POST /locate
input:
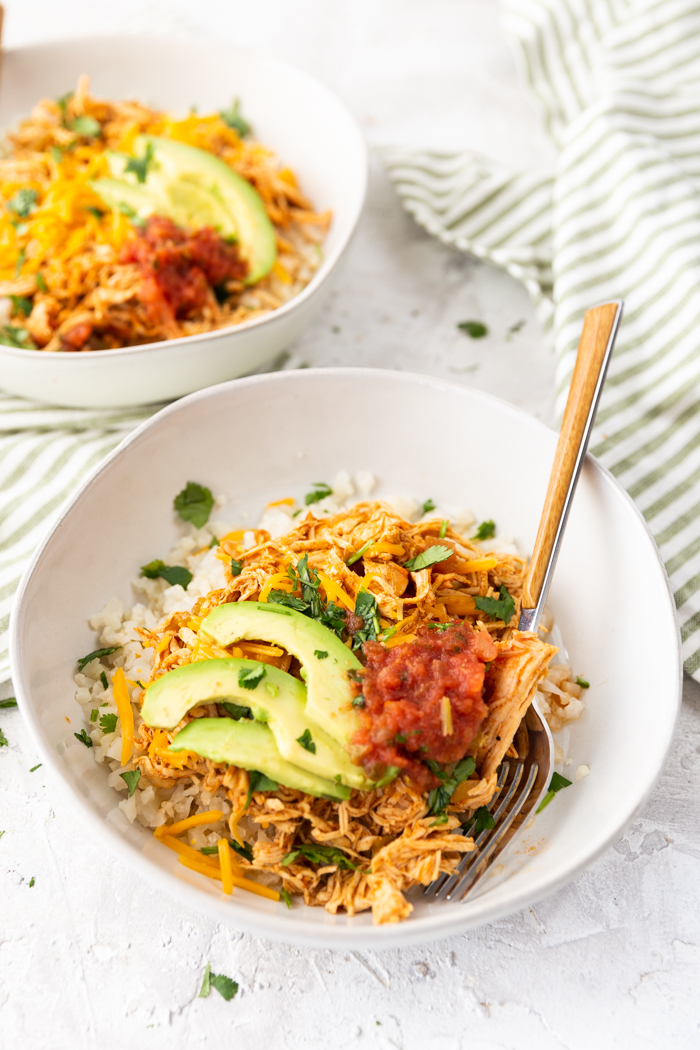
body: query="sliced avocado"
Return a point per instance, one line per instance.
(119, 194)
(194, 188)
(329, 690)
(251, 745)
(277, 699)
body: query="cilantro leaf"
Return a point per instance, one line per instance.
(108, 723)
(431, 556)
(34, 768)
(224, 985)
(86, 127)
(556, 784)
(358, 701)
(579, 681)
(320, 855)
(97, 655)
(367, 610)
(278, 597)
(439, 797)
(131, 779)
(235, 120)
(97, 213)
(63, 101)
(501, 608)
(139, 165)
(15, 335)
(103, 679)
(358, 554)
(206, 987)
(310, 603)
(259, 782)
(321, 490)
(428, 506)
(20, 305)
(131, 214)
(236, 711)
(486, 530)
(10, 702)
(24, 202)
(236, 567)
(194, 504)
(481, 821)
(474, 329)
(246, 850)
(284, 894)
(306, 741)
(93, 714)
(1, 834)
(4, 742)
(31, 882)
(83, 738)
(18, 269)
(251, 677)
(173, 574)
(40, 282)
(320, 654)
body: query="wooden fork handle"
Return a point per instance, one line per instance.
(594, 349)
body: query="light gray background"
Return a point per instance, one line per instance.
(90, 957)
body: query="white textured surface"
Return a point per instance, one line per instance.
(91, 958)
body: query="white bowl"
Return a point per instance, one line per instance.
(270, 436)
(293, 114)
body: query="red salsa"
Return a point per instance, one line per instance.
(403, 716)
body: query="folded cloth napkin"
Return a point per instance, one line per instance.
(619, 217)
(44, 454)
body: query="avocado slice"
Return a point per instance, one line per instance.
(329, 690)
(251, 745)
(277, 699)
(194, 188)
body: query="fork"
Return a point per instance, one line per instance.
(523, 781)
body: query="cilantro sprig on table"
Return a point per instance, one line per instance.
(225, 986)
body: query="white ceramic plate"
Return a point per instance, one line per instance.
(270, 436)
(293, 114)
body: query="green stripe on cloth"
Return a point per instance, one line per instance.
(619, 87)
(45, 453)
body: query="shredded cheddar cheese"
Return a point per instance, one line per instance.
(446, 716)
(210, 816)
(481, 564)
(126, 714)
(335, 592)
(226, 866)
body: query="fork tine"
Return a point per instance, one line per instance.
(433, 890)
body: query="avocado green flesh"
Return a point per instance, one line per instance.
(251, 745)
(277, 699)
(194, 188)
(329, 691)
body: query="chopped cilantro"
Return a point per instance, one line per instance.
(320, 654)
(108, 723)
(481, 821)
(40, 282)
(83, 738)
(194, 504)
(24, 202)
(501, 608)
(582, 682)
(63, 101)
(428, 506)
(246, 850)
(97, 655)
(86, 127)
(214, 543)
(236, 710)
(439, 797)
(20, 305)
(486, 530)
(320, 855)
(224, 985)
(57, 154)
(103, 679)
(431, 556)
(131, 779)
(358, 554)
(306, 741)
(390, 773)
(31, 882)
(15, 335)
(10, 702)
(4, 742)
(358, 701)
(259, 782)
(367, 610)
(97, 213)
(251, 677)
(400, 738)
(442, 819)
(236, 567)
(321, 490)
(443, 529)
(235, 120)
(310, 603)
(140, 684)
(1, 834)
(284, 894)
(474, 329)
(37, 766)
(93, 714)
(556, 784)
(131, 214)
(139, 165)
(205, 989)
(173, 574)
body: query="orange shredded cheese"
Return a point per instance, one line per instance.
(288, 502)
(481, 564)
(335, 592)
(385, 548)
(399, 639)
(126, 714)
(187, 851)
(278, 581)
(203, 869)
(226, 866)
(210, 816)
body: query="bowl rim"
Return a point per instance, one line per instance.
(329, 262)
(294, 929)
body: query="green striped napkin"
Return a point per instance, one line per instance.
(619, 217)
(44, 453)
